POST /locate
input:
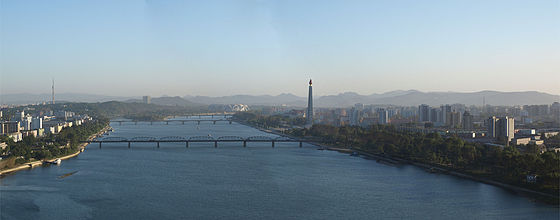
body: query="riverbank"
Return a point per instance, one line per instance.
(386, 159)
(33, 164)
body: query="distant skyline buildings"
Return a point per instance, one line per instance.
(175, 48)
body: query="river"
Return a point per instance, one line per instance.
(256, 182)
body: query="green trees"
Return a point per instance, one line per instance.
(272, 121)
(50, 146)
(505, 165)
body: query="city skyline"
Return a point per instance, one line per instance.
(268, 47)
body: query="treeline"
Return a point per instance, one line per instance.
(113, 109)
(507, 165)
(272, 121)
(50, 146)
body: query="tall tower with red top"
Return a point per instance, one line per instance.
(309, 115)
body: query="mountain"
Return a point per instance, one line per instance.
(167, 100)
(26, 98)
(284, 98)
(473, 98)
(398, 97)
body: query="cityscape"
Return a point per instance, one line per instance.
(279, 110)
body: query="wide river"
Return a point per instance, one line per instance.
(256, 182)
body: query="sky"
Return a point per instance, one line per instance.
(219, 48)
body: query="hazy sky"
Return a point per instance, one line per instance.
(133, 48)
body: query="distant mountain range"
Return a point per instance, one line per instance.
(26, 98)
(399, 97)
(168, 100)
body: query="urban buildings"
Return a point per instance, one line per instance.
(146, 99)
(467, 120)
(423, 113)
(383, 116)
(501, 129)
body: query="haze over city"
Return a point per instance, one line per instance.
(218, 48)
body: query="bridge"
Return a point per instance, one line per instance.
(194, 139)
(182, 121)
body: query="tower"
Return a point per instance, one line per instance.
(309, 115)
(52, 91)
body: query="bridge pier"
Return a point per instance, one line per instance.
(183, 122)
(215, 144)
(166, 122)
(244, 143)
(151, 122)
(229, 122)
(212, 116)
(187, 144)
(214, 122)
(100, 145)
(198, 122)
(300, 144)
(129, 144)
(272, 144)
(158, 144)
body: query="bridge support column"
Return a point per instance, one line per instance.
(215, 144)
(167, 122)
(272, 144)
(187, 144)
(151, 122)
(183, 122)
(300, 144)
(99, 145)
(214, 122)
(229, 122)
(158, 144)
(198, 122)
(129, 144)
(244, 143)
(212, 116)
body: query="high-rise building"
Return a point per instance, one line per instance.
(147, 99)
(8, 127)
(383, 116)
(491, 125)
(423, 113)
(467, 120)
(455, 119)
(37, 123)
(501, 128)
(555, 111)
(309, 114)
(445, 115)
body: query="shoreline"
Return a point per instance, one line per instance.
(31, 165)
(393, 160)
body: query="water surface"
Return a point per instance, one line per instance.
(256, 182)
